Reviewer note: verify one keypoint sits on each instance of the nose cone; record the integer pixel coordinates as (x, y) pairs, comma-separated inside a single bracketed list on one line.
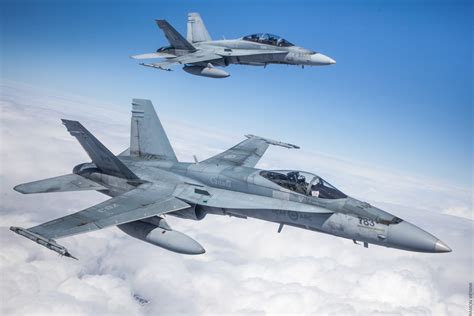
[(441, 247), (321, 60), (407, 236)]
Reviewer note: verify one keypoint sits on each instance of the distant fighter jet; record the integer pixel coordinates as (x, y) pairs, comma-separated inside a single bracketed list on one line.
[(200, 54), (146, 182)]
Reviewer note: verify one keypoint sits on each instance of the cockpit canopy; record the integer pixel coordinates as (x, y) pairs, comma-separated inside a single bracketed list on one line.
[(164, 49), (303, 183), (269, 39)]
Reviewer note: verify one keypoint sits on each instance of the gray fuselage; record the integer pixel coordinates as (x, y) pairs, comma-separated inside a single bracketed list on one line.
[(344, 217), (292, 55)]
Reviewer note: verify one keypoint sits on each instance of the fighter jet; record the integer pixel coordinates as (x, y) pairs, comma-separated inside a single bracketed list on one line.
[(146, 182), (200, 54)]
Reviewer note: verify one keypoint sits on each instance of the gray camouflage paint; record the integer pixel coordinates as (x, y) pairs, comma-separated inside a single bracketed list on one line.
[(148, 181), (199, 53)]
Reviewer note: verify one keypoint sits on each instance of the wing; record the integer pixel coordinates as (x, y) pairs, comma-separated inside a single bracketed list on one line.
[(192, 58), (246, 153), (69, 182), (142, 202), (153, 55)]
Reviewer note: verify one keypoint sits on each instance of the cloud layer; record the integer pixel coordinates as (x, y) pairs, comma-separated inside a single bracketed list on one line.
[(248, 268)]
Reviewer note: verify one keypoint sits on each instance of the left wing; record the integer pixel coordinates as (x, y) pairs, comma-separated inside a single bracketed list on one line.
[(143, 202), (247, 153), (192, 58)]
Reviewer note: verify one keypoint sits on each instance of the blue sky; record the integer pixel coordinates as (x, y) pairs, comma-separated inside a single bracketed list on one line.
[(400, 95)]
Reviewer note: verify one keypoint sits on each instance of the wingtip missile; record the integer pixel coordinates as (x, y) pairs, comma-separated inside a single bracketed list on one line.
[(43, 241), (274, 142), (155, 66)]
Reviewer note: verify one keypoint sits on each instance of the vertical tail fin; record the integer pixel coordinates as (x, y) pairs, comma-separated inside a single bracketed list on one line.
[(147, 136), (197, 31)]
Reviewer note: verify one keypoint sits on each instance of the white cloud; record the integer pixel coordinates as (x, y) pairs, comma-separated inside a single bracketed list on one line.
[(248, 268)]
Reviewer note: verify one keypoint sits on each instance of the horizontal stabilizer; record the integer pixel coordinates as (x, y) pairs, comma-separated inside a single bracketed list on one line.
[(176, 40), (69, 182), (107, 162)]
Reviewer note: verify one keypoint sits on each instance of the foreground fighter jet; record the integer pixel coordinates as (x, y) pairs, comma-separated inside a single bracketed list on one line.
[(146, 182), (200, 54)]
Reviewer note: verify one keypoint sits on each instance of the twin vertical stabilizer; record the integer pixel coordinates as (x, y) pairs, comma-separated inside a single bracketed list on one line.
[(147, 136), (197, 31)]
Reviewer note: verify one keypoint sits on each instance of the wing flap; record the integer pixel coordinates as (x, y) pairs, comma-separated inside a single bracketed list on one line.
[(69, 182)]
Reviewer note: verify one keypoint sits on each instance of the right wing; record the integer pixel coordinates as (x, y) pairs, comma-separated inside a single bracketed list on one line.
[(153, 55), (192, 58), (143, 202), (247, 153), (134, 205)]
